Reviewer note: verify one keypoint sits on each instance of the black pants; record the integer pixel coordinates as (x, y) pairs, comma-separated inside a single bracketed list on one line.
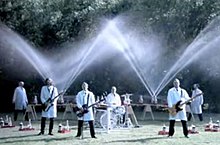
[(91, 126), (172, 124), (16, 114), (43, 122), (190, 116)]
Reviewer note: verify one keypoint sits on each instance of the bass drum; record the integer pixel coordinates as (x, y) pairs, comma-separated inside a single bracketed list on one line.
[(97, 116), (119, 110), (114, 120)]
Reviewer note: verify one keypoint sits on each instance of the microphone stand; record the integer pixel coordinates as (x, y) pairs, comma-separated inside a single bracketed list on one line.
[(83, 119), (82, 128)]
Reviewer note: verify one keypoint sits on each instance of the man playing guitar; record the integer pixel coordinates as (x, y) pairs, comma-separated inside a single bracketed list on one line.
[(177, 94), (84, 99), (48, 92)]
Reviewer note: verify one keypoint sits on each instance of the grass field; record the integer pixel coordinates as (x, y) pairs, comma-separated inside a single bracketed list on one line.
[(147, 134)]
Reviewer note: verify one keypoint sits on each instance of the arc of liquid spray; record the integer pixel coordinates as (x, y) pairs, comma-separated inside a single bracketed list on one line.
[(6, 34), (209, 32), (123, 45), (82, 65), (187, 62)]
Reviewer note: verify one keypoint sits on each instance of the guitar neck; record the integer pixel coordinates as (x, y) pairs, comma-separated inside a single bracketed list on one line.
[(95, 103), (187, 101), (51, 100), (191, 99)]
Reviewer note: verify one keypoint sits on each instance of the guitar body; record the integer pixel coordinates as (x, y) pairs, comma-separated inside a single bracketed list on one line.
[(80, 112), (43, 106), (49, 103), (176, 108), (85, 107)]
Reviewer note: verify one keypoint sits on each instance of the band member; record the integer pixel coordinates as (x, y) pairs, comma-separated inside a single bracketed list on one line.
[(113, 99), (85, 98), (175, 95), (48, 92), (20, 100), (196, 104)]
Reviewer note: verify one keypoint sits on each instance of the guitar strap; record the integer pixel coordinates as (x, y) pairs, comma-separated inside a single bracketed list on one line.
[(49, 100), (88, 100), (51, 95), (181, 95)]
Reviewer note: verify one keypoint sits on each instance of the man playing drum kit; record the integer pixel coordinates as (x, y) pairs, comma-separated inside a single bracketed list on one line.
[(113, 99)]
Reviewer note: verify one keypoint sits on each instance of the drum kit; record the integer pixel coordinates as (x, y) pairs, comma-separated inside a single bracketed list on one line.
[(118, 115)]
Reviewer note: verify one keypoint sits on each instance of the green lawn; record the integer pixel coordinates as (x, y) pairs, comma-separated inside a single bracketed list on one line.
[(147, 134)]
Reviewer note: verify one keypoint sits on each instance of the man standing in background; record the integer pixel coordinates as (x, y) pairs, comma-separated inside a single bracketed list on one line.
[(20, 101), (196, 104)]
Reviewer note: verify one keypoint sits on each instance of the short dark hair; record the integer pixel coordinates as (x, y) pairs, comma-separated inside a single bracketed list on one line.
[(47, 79), (197, 85)]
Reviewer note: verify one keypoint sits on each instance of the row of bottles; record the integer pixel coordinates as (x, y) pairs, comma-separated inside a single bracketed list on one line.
[(153, 99), (61, 127), (127, 99), (213, 125), (7, 121), (28, 126), (192, 127)]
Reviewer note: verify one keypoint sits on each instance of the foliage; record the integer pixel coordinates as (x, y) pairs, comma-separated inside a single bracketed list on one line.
[(47, 22)]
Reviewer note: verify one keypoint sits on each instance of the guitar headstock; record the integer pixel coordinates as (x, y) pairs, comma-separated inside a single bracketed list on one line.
[(104, 95), (62, 92), (102, 98), (197, 95)]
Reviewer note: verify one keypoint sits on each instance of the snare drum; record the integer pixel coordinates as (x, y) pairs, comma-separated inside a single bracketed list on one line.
[(102, 107), (119, 110)]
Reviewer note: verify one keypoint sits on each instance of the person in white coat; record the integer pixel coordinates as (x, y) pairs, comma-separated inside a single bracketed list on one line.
[(113, 99), (85, 97), (48, 92), (196, 104), (20, 100), (176, 94)]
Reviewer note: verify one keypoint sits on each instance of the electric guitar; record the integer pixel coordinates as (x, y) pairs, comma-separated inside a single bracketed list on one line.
[(179, 105), (85, 108), (49, 103)]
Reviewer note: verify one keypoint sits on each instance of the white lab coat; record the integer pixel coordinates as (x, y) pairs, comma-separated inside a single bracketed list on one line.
[(196, 105), (173, 97), (20, 98), (44, 96), (113, 100), (81, 99)]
